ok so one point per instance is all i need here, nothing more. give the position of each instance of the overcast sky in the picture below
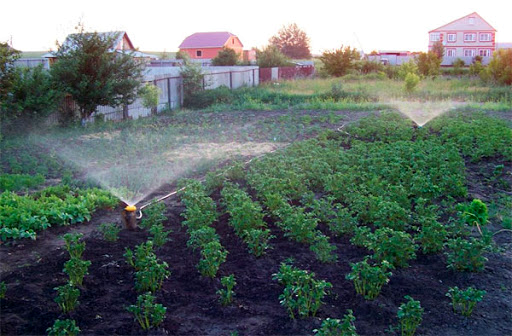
(155, 25)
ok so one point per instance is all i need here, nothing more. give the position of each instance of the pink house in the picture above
(465, 38)
(208, 45)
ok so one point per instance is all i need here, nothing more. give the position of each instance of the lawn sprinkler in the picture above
(129, 217)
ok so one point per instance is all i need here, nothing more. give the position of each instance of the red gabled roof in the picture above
(460, 19)
(206, 40)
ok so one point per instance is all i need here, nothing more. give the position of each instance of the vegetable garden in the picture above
(377, 227)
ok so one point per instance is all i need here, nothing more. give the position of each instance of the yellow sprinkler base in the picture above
(131, 208)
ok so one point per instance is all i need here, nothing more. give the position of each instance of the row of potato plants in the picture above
(21, 216)
(246, 217)
(389, 195)
(200, 213)
(150, 272)
(68, 294)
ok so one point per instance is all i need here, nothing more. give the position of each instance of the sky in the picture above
(161, 25)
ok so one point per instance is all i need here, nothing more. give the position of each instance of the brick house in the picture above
(465, 38)
(207, 45)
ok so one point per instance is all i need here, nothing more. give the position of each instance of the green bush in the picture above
(396, 247)
(411, 81)
(467, 255)
(226, 57)
(406, 68)
(500, 67)
(340, 61)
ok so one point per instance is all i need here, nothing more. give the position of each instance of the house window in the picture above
(471, 37)
(451, 52)
(469, 52)
(232, 41)
(485, 52)
(434, 37)
(452, 37)
(485, 37)
(471, 20)
(199, 53)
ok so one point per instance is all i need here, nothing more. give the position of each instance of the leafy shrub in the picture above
(148, 313)
(270, 57)
(226, 294)
(335, 327)
(467, 255)
(428, 64)
(410, 82)
(475, 214)
(368, 280)
(205, 98)
(226, 57)
(110, 231)
(67, 297)
(465, 300)
(500, 67)
(406, 68)
(340, 61)
(410, 316)
(396, 247)
(63, 328)
(302, 294)
(150, 94)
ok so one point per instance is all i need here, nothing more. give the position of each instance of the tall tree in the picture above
(94, 74)
(292, 41)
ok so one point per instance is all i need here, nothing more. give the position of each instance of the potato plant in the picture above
(153, 215)
(335, 327)
(410, 315)
(226, 294)
(396, 247)
(110, 231)
(467, 254)
(159, 235)
(302, 294)
(465, 300)
(67, 297)
(73, 244)
(63, 328)
(76, 269)
(149, 272)
(246, 218)
(213, 254)
(368, 280)
(3, 289)
(147, 313)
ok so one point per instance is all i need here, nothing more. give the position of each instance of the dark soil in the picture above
(32, 269)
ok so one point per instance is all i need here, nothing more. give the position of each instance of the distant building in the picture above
(207, 45)
(465, 38)
(391, 57)
(121, 44)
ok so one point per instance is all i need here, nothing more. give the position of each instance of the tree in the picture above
(292, 41)
(183, 55)
(226, 57)
(93, 74)
(270, 57)
(428, 64)
(8, 56)
(338, 62)
(500, 67)
(438, 49)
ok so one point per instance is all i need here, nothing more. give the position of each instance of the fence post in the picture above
(231, 79)
(169, 92)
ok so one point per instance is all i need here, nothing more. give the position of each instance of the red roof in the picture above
(206, 40)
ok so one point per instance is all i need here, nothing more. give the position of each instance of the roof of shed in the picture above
(206, 40)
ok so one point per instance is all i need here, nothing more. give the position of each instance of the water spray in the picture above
(129, 217)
